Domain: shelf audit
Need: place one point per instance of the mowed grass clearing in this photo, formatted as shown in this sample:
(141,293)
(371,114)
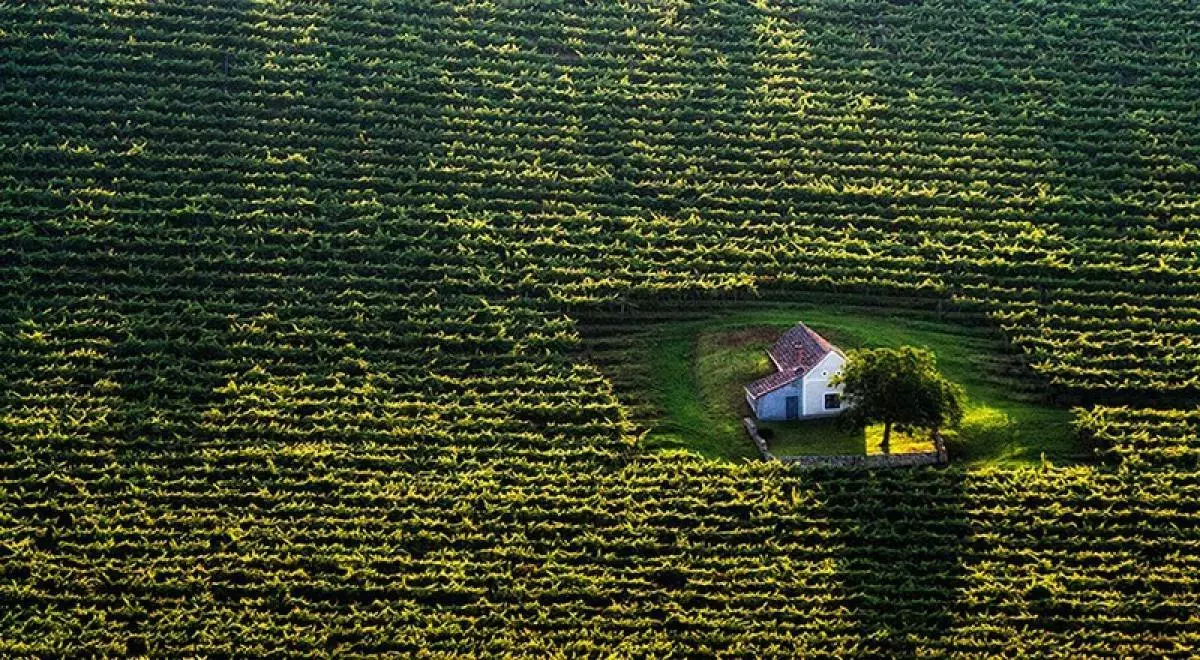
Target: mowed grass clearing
(700,367)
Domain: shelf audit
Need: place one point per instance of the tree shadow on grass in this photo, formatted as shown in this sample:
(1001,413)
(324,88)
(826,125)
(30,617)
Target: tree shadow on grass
(828,436)
(901,536)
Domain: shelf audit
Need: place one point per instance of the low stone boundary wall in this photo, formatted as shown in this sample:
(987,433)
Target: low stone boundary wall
(864,462)
(936,457)
(758,440)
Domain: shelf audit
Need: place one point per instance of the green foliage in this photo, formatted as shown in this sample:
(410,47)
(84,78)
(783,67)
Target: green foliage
(899,388)
(1143,439)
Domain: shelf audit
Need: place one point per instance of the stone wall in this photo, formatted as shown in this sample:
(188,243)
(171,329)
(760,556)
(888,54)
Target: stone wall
(851,461)
(758,440)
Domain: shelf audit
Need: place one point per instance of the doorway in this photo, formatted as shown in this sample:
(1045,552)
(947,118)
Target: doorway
(791,407)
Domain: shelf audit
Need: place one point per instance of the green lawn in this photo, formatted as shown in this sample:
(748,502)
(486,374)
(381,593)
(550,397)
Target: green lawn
(700,368)
(828,437)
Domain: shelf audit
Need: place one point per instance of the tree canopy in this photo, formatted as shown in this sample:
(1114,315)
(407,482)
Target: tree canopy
(900,388)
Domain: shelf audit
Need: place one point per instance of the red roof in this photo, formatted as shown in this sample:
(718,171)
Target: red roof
(770,383)
(799,349)
(794,354)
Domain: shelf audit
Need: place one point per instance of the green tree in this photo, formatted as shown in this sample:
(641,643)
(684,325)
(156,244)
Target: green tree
(900,388)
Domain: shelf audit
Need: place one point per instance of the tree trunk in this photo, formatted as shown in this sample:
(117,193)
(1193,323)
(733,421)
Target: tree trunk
(886,445)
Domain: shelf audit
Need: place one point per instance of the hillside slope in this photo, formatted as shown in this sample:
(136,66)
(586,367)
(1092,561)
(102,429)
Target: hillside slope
(289,297)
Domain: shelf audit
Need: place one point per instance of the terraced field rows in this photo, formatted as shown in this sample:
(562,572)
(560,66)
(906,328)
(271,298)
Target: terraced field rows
(611,151)
(288,303)
(363,558)
(1146,438)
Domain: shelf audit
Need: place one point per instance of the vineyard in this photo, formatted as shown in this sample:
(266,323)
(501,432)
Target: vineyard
(296,300)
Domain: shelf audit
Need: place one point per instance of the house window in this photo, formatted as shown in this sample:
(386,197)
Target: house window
(833,401)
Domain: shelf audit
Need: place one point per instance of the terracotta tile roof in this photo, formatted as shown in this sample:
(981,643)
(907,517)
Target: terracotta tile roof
(770,383)
(795,353)
(799,349)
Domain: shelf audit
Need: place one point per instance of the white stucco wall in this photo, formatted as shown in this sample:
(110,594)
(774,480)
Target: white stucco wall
(816,386)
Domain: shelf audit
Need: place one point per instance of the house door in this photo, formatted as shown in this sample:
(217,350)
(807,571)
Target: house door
(791,407)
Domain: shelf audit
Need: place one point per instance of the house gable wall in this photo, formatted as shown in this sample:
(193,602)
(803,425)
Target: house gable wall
(816,386)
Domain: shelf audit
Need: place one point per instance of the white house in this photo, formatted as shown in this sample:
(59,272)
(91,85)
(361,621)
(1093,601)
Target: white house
(800,388)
